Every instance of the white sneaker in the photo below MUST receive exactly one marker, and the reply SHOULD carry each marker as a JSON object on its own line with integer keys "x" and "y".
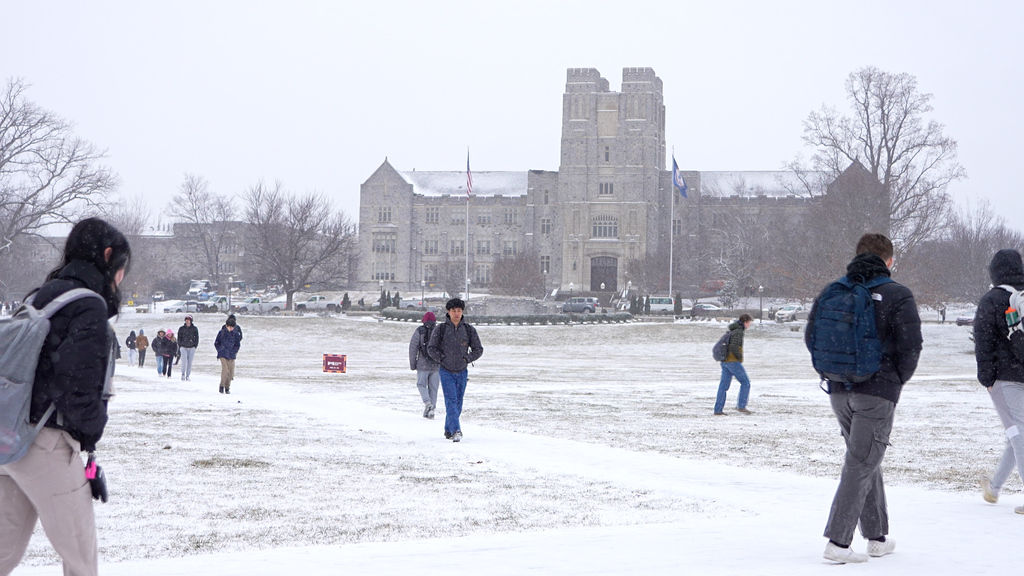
{"x": 991, "y": 496}
{"x": 843, "y": 555}
{"x": 876, "y": 548}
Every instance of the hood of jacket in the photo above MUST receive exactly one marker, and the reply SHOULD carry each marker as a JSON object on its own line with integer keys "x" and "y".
{"x": 867, "y": 266}
{"x": 736, "y": 325}
{"x": 1006, "y": 268}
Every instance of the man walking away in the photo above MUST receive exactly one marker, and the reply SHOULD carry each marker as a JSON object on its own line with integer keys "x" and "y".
{"x": 188, "y": 341}
{"x": 865, "y": 409}
{"x": 427, "y": 378}
{"x": 1000, "y": 369}
{"x": 733, "y": 366}
{"x": 227, "y": 344}
{"x": 454, "y": 345}
{"x": 159, "y": 343}
{"x": 129, "y": 342}
{"x": 142, "y": 343}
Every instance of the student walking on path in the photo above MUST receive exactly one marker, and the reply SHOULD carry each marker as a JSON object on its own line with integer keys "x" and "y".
{"x": 227, "y": 344}
{"x": 129, "y": 343}
{"x": 733, "y": 366}
{"x": 865, "y": 408}
{"x": 454, "y": 345}
{"x": 1000, "y": 369}
{"x": 142, "y": 343}
{"x": 188, "y": 341}
{"x": 69, "y": 394}
{"x": 427, "y": 377}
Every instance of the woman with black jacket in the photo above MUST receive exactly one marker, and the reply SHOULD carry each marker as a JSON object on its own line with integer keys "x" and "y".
{"x": 49, "y": 482}
{"x": 999, "y": 369}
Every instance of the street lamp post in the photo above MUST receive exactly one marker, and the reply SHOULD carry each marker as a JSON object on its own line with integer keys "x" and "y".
{"x": 629, "y": 293}
{"x": 423, "y": 287}
{"x": 231, "y": 281}
{"x": 381, "y": 295}
{"x": 570, "y": 296}
{"x": 760, "y": 305}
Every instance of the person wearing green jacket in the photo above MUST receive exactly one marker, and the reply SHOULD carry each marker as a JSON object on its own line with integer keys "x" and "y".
{"x": 733, "y": 366}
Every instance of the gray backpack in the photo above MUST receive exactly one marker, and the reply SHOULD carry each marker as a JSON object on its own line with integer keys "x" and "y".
{"x": 21, "y": 340}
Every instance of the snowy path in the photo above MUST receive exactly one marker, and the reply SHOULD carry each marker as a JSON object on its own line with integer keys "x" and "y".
{"x": 755, "y": 522}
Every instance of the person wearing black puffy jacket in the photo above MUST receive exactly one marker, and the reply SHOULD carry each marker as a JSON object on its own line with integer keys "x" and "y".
{"x": 1000, "y": 370}
{"x": 49, "y": 482}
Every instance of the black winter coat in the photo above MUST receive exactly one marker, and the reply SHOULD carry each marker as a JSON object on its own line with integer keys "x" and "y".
{"x": 996, "y": 360}
{"x": 454, "y": 348}
{"x": 898, "y": 326}
{"x": 188, "y": 336}
{"x": 73, "y": 362}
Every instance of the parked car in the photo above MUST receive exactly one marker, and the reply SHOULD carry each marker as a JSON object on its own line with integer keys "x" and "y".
{"x": 197, "y": 286}
{"x": 705, "y": 310}
{"x": 318, "y": 302}
{"x": 218, "y": 304}
{"x": 965, "y": 320}
{"x": 581, "y": 304}
{"x": 662, "y": 304}
{"x": 791, "y": 312}
{"x": 159, "y": 296}
{"x": 177, "y": 306}
{"x": 253, "y": 305}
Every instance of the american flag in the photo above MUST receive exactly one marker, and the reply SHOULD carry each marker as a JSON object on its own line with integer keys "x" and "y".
{"x": 469, "y": 177}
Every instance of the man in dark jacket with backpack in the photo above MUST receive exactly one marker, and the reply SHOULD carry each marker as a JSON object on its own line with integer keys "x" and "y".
{"x": 865, "y": 409}
{"x": 427, "y": 377}
{"x": 454, "y": 345}
{"x": 1001, "y": 365}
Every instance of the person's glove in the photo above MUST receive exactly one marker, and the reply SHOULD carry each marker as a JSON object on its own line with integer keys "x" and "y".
{"x": 97, "y": 479}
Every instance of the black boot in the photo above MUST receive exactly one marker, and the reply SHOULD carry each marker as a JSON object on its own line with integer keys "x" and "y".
{"x": 221, "y": 389}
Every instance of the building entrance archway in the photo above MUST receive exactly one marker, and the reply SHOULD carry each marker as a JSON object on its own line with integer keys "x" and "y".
{"x": 604, "y": 270}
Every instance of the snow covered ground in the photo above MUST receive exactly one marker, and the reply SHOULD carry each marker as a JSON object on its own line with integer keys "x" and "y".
{"x": 588, "y": 450}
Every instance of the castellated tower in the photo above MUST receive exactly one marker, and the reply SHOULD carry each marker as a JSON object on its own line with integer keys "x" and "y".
{"x": 612, "y": 159}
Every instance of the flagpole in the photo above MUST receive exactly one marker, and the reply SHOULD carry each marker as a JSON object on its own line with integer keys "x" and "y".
{"x": 469, "y": 192}
{"x": 672, "y": 228}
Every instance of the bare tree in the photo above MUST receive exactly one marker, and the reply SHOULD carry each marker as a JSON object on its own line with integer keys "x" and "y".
{"x": 47, "y": 174}
{"x": 888, "y": 134}
{"x": 129, "y": 214}
{"x": 518, "y": 275}
{"x": 297, "y": 240}
{"x": 207, "y": 223}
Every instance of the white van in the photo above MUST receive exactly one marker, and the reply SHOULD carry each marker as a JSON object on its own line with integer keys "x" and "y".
{"x": 662, "y": 304}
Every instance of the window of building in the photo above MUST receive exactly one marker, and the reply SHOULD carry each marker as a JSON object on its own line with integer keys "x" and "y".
{"x": 607, "y": 154}
{"x": 430, "y": 272}
{"x": 606, "y": 188}
{"x": 384, "y": 214}
{"x": 511, "y": 216}
{"x": 384, "y": 242}
{"x": 383, "y": 270}
{"x": 545, "y": 196}
{"x": 458, "y": 247}
{"x": 545, "y": 226}
{"x": 430, "y": 246}
{"x": 433, "y": 214}
{"x": 483, "y": 246}
{"x": 677, "y": 227}
{"x": 717, "y": 220}
{"x": 482, "y": 276}
{"x": 458, "y": 216}
{"x": 545, "y": 264}
{"x": 483, "y": 216}
{"x": 605, "y": 227}
{"x": 509, "y": 248}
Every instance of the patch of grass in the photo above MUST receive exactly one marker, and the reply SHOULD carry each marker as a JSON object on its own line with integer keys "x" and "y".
{"x": 222, "y": 462}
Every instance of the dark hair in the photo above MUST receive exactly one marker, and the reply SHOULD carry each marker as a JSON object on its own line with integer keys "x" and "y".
{"x": 876, "y": 244}
{"x": 88, "y": 241}
{"x": 231, "y": 321}
{"x": 744, "y": 318}
{"x": 455, "y": 303}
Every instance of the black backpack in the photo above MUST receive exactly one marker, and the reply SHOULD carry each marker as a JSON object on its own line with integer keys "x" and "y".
{"x": 424, "y": 339}
{"x": 720, "y": 351}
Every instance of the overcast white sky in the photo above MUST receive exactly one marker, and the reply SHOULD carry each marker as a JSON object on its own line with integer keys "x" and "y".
{"x": 316, "y": 94}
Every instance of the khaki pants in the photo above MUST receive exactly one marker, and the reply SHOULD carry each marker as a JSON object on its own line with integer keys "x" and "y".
{"x": 227, "y": 372}
{"x": 49, "y": 484}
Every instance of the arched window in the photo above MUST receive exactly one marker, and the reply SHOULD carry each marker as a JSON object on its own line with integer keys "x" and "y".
{"x": 605, "y": 227}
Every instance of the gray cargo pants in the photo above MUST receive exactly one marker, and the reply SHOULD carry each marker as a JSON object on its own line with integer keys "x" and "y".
{"x": 866, "y": 422}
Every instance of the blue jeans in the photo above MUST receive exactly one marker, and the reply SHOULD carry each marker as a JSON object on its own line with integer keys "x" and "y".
{"x": 730, "y": 369}
{"x": 159, "y": 364}
{"x": 453, "y": 385}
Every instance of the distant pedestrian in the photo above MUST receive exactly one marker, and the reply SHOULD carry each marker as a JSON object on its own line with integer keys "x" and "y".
{"x": 865, "y": 409}
{"x": 1000, "y": 370}
{"x": 142, "y": 343}
{"x": 943, "y": 313}
{"x": 427, "y": 377}
{"x": 133, "y": 354}
{"x": 732, "y": 366}
{"x": 188, "y": 341}
{"x": 454, "y": 345}
{"x": 227, "y": 344}
{"x": 159, "y": 343}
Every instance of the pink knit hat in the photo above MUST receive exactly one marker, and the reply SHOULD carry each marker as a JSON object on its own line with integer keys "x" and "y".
{"x": 429, "y": 317}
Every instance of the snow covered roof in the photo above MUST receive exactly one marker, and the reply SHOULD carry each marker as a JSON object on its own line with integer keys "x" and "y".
{"x": 768, "y": 183}
{"x": 454, "y": 183}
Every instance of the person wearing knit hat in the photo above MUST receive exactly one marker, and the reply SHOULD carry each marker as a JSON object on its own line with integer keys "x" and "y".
{"x": 454, "y": 344}
{"x": 188, "y": 341}
{"x": 427, "y": 377}
{"x": 169, "y": 351}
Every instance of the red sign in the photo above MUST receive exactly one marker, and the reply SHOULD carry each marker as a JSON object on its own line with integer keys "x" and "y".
{"x": 334, "y": 363}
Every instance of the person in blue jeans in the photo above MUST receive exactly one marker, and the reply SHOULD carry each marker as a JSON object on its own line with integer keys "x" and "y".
{"x": 454, "y": 345}
{"x": 733, "y": 367}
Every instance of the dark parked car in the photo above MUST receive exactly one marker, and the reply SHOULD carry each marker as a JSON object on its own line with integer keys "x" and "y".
{"x": 965, "y": 320}
{"x": 582, "y": 304}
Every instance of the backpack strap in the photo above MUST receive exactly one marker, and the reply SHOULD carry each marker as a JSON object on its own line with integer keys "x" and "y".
{"x": 68, "y": 297}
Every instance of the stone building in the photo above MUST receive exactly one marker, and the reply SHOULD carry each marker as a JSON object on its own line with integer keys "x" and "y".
{"x": 608, "y": 208}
